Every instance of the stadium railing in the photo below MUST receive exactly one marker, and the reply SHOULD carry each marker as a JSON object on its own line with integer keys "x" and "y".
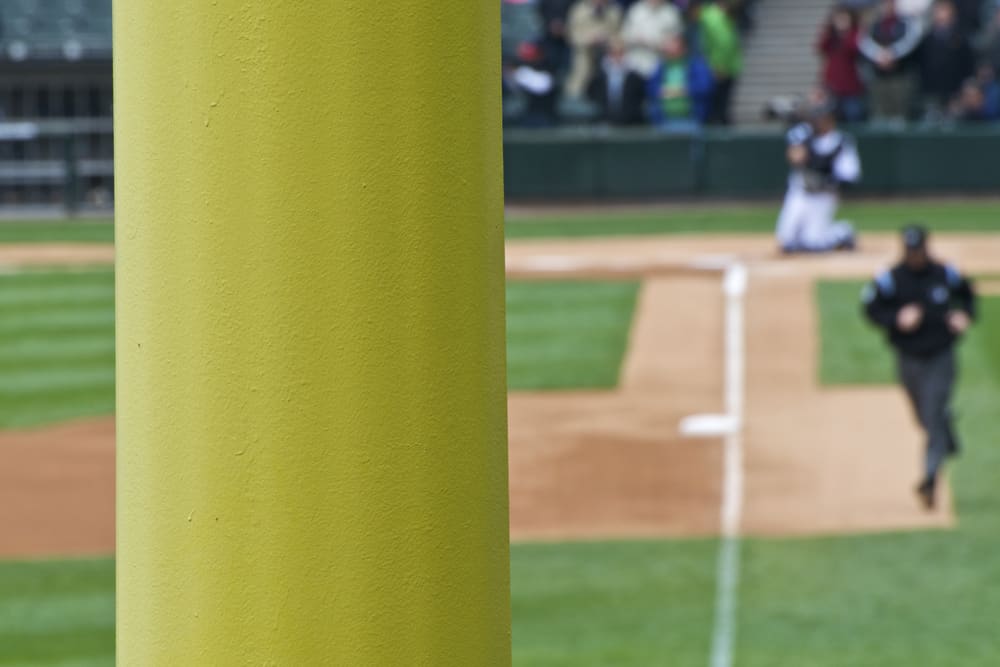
{"x": 57, "y": 167}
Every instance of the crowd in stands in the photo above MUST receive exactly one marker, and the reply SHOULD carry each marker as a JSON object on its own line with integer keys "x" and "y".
{"x": 910, "y": 61}
{"x": 673, "y": 63}
{"x": 670, "y": 63}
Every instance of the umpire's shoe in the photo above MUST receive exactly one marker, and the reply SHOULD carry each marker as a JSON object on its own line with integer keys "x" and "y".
{"x": 927, "y": 493}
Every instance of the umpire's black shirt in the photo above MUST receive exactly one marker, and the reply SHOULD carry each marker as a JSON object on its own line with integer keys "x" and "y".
{"x": 938, "y": 289}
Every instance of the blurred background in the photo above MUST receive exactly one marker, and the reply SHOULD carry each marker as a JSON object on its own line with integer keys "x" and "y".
{"x": 57, "y": 147}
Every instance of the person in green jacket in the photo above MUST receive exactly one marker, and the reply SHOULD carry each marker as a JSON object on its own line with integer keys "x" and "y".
{"x": 719, "y": 40}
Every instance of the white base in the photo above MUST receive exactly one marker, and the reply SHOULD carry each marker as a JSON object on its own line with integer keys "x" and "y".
{"x": 709, "y": 426}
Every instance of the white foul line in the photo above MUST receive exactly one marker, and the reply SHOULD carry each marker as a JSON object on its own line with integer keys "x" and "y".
{"x": 728, "y": 577}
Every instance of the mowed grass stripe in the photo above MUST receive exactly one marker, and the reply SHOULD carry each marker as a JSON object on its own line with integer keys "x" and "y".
{"x": 57, "y": 231}
{"x": 57, "y": 357}
{"x": 55, "y": 407}
{"x": 37, "y": 297}
{"x": 30, "y": 319}
{"x": 753, "y": 218}
{"x": 55, "y": 649}
{"x": 64, "y": 315}
{"x": 623, "y": 604}
{"x": 603, "y": 318}
{"x": 556, "y": 292}
{"x": 43, "y": 381}
{"x": 600, "y": 345}
{"x": 99, "y": 661}
{"x": 57, "y": 274}
{"x": 56, "y": 578}
{"x": 57, "y": 613}
{"x": 21, "y": 406}
{"x": 567, "y": 335}
{"x": 38, "y": 352}
{"x": 27, "y": 615}
{"x": 55, "y": 301}
{"x": 58, "y": 278}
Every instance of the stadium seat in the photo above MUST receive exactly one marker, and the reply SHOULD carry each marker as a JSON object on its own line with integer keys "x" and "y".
{"x": 55, "y": 29}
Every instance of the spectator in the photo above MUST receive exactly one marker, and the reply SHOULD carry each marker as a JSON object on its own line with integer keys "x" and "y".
{"x": 743, "y": 12}
{"x": 618, "y": 90}
{"x": 592, "y": 24}
{"x": 555, "y": 15}
{"x": 692, "y": 28}
{"x": 838, "y": 45}
{"x": 534, "y": 84}
{"x": 647, "y": 25}
{"x": 989, "y": 45}
{"x": 680, "y": 90}
{"x": 520, "y": 24}
{"x": 946, "y": 60}
{"x": 978, "y": 100}
{"x": 969, "y": 15}
{"x": 986, "y": 77}
{"x": 720, "y": 44}
{"x": 890, "y": 46}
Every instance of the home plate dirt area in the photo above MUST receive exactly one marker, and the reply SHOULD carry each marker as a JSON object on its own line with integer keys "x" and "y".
{"x": 817, "y": 461}
{"x": 611, "y": 464}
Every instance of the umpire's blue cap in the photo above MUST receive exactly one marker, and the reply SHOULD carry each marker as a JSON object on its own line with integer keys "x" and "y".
{"x": 915, "y": 237}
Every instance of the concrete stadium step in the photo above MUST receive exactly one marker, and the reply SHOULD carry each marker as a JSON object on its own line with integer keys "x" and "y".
{"x": 780, "y": 55}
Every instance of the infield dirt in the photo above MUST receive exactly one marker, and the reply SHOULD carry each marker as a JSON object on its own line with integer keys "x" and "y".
{"x": 57, "y": 490}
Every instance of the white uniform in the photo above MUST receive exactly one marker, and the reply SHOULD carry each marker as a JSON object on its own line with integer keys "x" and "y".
{"x": 807, "y": 220}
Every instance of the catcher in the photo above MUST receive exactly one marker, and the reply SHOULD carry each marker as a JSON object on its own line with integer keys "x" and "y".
{"x": 822, "y": 160}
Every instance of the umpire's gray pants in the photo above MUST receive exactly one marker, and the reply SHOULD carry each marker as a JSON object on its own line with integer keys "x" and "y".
{"x": 929, "y": 382}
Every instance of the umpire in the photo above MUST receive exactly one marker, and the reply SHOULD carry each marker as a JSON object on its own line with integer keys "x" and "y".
{"x": 925, "y": 307}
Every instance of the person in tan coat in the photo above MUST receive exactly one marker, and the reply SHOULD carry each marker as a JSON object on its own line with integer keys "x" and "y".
{"x": 648, "y": 25}
{"x": 592, "y": 24}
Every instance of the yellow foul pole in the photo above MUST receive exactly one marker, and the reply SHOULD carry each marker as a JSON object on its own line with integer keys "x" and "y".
{"x": 312, "y": 446}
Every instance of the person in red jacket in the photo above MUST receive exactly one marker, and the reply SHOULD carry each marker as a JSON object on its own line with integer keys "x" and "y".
{"x": 838, "y": 46}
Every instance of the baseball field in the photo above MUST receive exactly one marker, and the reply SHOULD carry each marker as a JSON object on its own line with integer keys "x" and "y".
{"x": 617, "y": 328}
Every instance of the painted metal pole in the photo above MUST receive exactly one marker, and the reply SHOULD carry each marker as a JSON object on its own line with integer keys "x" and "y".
{"x": 311, "y": 419}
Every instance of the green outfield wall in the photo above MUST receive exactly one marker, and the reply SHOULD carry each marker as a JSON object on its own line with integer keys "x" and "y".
{"x": 643, "y": 164}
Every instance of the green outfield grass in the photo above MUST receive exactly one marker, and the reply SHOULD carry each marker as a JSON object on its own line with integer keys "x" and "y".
{"x": 57, "y": 357}
{"x": 57, "y": 614}
{"x": 57, "y": 231}
{"x": 635, "y": 604}
{"x": 754, "y": 218}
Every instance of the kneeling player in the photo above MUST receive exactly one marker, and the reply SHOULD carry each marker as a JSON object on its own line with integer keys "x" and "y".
{"x": 822, "y": 160}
